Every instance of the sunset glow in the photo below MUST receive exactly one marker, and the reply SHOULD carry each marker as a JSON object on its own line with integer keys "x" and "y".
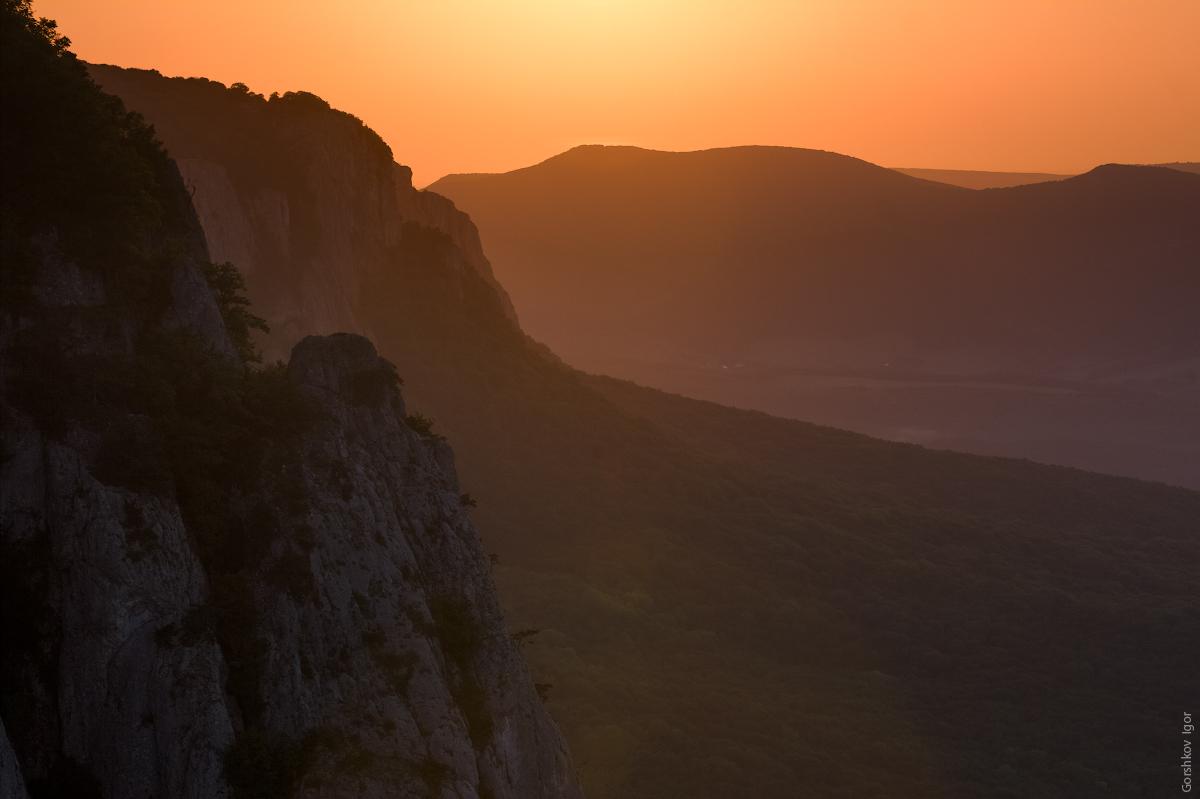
{"x": 620, "y": 399}
{"x": 485, "y": 86}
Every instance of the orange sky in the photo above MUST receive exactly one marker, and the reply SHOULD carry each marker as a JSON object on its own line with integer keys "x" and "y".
{"x": 484, "y": 85}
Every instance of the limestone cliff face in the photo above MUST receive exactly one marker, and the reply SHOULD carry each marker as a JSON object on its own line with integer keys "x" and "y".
{"x": 93, "y": 703}
{"x": 435, "y": 212}
{"x": 220, "y": 582}
{"x": 91, "y": 569}
{"x": 12, "y": 784}
{"x": 380, "y": 664}
{"x": 389, "y": 642}
{"x": 306, "y": 201}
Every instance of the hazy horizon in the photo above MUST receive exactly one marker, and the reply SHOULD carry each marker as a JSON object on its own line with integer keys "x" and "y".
{"x": 489, "y": 87}
{"x": 909, "y": 169}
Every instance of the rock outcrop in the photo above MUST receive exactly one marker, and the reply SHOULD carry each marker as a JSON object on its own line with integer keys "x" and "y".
{"x": 218, "y": 580}
{"x": 381, "y": 650}
{"x": 388, "y": 641}
{"x": 92, "y": 701}
{"x": 12, "y": 784}
{"x": 304, "y": 199}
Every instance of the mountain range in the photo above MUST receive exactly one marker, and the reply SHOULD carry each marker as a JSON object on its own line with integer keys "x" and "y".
{"x": 1053, "y": 321}
{"x": 981, "y": 179}
{"x": 725, "y": 603}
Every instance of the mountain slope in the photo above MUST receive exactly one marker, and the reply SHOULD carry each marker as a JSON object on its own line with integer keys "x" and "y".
{"x": 736, "y": 605}
{"x": 216, "y": 580}
{"x": 743, "y": 251}
{"x": 1183, "y": 166}
{"x": 979, "y": 179}
{"x": 821, "y": 287}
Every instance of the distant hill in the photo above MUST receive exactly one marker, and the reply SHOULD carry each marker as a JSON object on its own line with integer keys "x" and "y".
{"x": 1183, "y": 166}
{"x": 979, "y": 179}
{"x": 1053, "y": 320}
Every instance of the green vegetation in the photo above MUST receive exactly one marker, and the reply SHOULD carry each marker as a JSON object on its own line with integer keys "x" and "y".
{"x": 421, "y": 425}
{"x": 292, "y": 573}
{"x": 81, "y": 174}
{"x": 397, "y": 667}
{"x": 371, "y": 386}
{"x": 460, "y": 636}
{"x": 264, "y": 765}
{"x": 472, "y": 703}
{"x": 196, "y": 626}
{"x": 66, "y": 779}
{"x": 525, "y": 636}
{"x": 225, "y": 432}
{"x": 25, "y": 585}
{"x": 229, "y": 288}
{"x": 433, "y": 773}
{"x": 456, "y": 629}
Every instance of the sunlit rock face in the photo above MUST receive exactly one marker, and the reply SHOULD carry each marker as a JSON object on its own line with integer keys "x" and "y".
{"x": 304, "y": 199}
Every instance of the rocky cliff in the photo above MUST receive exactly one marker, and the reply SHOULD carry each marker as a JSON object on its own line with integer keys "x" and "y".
{"x": 304, "y": 199}
{"x": 218, "y": 580}
{"x": 359, "y": 652}
{"x": 12, "y": 784}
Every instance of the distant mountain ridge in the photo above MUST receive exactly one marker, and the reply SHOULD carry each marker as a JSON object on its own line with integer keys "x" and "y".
{"x": 822, "y": 287}
{"x": 828, "y": 243}
{"x": 1183, "y": 166}
{"x": 981, "y": 179}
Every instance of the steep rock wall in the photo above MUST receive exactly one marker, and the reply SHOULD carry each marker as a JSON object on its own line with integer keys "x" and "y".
{"x": 397, "y": 645}
{"x": 12, "y": 784}
{"x": 381, "y": 652}
{"x": 381, "y": 641}
{"x": 305, "y": 200}
{"x": 198, "y": 596}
